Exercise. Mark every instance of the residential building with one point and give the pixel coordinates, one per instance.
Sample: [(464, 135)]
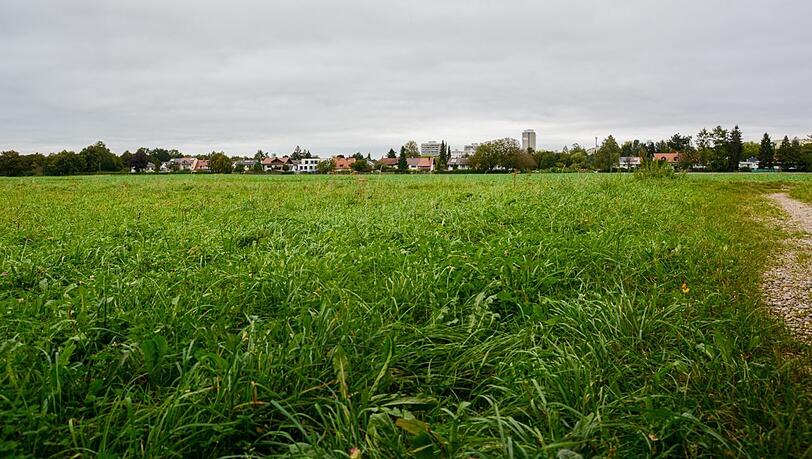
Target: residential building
[(457, 153), (276, 164), (630, 162), (459, 164), (431, 148), (200, 165), (180, 164), (420, 164), (342, 163), (469, 150), (388, 162), (308, 165), (247, 164), (750, 163), (670, 158), (528, 139)]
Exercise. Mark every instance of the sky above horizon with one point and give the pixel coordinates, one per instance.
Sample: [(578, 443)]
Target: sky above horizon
[(343, 76)]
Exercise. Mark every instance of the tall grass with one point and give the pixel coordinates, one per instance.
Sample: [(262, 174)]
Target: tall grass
[(450, 316)]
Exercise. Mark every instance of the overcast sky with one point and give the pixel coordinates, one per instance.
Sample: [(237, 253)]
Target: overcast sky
[(351, 75)]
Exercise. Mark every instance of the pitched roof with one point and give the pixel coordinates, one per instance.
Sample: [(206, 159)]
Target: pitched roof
[(343, 163), (388, 161), (670, 157), (420, 163)]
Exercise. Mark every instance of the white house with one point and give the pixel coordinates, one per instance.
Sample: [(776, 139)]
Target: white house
[(629, 162), (308, 165), (749, 163)]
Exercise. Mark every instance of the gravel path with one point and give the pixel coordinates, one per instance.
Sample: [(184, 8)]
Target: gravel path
[(788, 284)]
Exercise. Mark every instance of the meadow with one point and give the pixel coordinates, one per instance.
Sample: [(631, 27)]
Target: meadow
[(577, 315)]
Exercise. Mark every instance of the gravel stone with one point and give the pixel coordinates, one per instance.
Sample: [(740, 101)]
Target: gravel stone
[(787, 285)]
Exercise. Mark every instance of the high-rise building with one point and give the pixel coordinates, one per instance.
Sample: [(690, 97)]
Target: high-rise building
[(528, 139), (469, 150), (431, 148)]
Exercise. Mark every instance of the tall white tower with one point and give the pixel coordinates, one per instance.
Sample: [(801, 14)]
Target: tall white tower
[(528, 139)]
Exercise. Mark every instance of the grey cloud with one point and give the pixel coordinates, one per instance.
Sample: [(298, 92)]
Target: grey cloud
[(341, 76)]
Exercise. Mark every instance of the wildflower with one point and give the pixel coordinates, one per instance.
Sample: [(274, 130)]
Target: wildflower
[(4, 274), (685, 288), (355, 453)]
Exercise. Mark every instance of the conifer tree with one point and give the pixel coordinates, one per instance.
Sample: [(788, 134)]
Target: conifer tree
[(783, 156), (403, 166), (766, 153), (735, 148)]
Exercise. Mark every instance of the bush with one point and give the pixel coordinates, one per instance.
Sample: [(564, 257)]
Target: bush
[(655, 169)]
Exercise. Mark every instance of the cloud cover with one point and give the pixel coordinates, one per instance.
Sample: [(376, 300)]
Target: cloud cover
[(358, 75)]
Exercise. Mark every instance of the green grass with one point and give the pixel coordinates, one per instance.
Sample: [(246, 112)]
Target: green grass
[(426, 316)]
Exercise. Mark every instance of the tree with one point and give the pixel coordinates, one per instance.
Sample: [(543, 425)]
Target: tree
[(608, 155), (12, 164), (139, 160), (411, 149), (795, 153), (650, 150), (805, 161), (219, 163), (442, 160), (391, 153), (735, 149), (784, 154), (297, 154), (239, 168), (522, 160), (326, 167), (679, 143), (766, 152), (361, 165), (403, 164), (99, 158), (719, 150), (495, 154), (260, 155), (545, 159), (358, 156), (65, 163)]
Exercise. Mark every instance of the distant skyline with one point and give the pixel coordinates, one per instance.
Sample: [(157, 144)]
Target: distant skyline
[(360, 75)]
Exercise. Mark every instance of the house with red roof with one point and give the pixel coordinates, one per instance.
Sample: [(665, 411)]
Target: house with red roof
[(200, 165), (276, 164), (670, 158), (420, 164), (343, 164)]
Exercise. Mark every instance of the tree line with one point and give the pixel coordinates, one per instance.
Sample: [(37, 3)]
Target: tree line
[(718, 150)]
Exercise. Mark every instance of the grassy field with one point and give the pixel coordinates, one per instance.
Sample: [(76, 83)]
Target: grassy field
[(425, 316)]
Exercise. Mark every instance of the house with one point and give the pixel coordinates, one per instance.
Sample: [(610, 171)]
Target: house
[(166, 166), (420, 164), (247, 164), (388, 162), (275, 164), (342, 163), (670, 158), (149, 168), (462, 163), (630, 162), (186, 163), (200, 165), (749, 164), (308, 165)]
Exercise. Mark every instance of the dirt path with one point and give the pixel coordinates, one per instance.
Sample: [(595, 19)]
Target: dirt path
[(788, 284)]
